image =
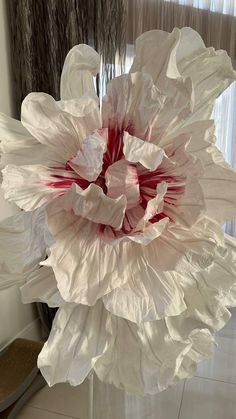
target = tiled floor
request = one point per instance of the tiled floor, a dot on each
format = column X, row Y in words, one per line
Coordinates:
column 210, row 395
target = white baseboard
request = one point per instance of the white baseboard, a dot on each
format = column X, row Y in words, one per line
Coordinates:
column 32, row 332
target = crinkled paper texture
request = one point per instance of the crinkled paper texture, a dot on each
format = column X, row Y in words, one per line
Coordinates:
column 124, row 207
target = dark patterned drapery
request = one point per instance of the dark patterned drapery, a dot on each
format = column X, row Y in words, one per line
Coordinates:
column 43, row 31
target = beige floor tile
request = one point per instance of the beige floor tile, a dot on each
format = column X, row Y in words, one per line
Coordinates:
column 111, row 403
column 63, row 399
column 206, row 399
column 222, row 366
column 33, row 413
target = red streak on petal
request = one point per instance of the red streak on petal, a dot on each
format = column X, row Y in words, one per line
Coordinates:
column 159, row 217
column 114, row 150
column 178, row 190
column 104, row 230
column 126, row 226
column 66, row 182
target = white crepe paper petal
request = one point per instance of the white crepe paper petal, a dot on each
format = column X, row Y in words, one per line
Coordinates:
column 78, row 338
column 88, row 161
column 51, row 122
column 23, row 244
column 17, row 145
column 82, row 63
column 121, row 178
column 138, row 151
column 153, row 298
column 211, row 71
column 151, row 361
column 92, row 338
column 76, row 242
column 29, row 186
column 41, row 286
column 94, row 205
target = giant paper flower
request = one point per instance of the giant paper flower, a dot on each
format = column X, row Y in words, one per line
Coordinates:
column 135, row 196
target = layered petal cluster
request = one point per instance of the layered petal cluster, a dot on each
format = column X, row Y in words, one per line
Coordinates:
column 134, row 195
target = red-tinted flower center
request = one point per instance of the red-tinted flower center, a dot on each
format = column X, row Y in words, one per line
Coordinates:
column 118, row 176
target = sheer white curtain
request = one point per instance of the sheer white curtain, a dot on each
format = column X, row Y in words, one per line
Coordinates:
column 223, row 6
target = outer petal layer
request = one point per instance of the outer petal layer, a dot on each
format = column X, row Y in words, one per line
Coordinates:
column 152, row 294
column 144, row 358
column 17, row 146
column 187, row 249
column 217, row 179
column 207, row 294
column 77, row 242
column 148, row 295
column 23, row 242
column 41, row 286
column 81, row 64
column 219, row 186
column 151, row 361
column 78, row 338
column 164, row 46
column 210, row 71
column 182, row 53
column 62, row 126
column 29, row 186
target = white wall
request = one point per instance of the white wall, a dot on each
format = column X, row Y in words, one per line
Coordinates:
column 15, row 318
